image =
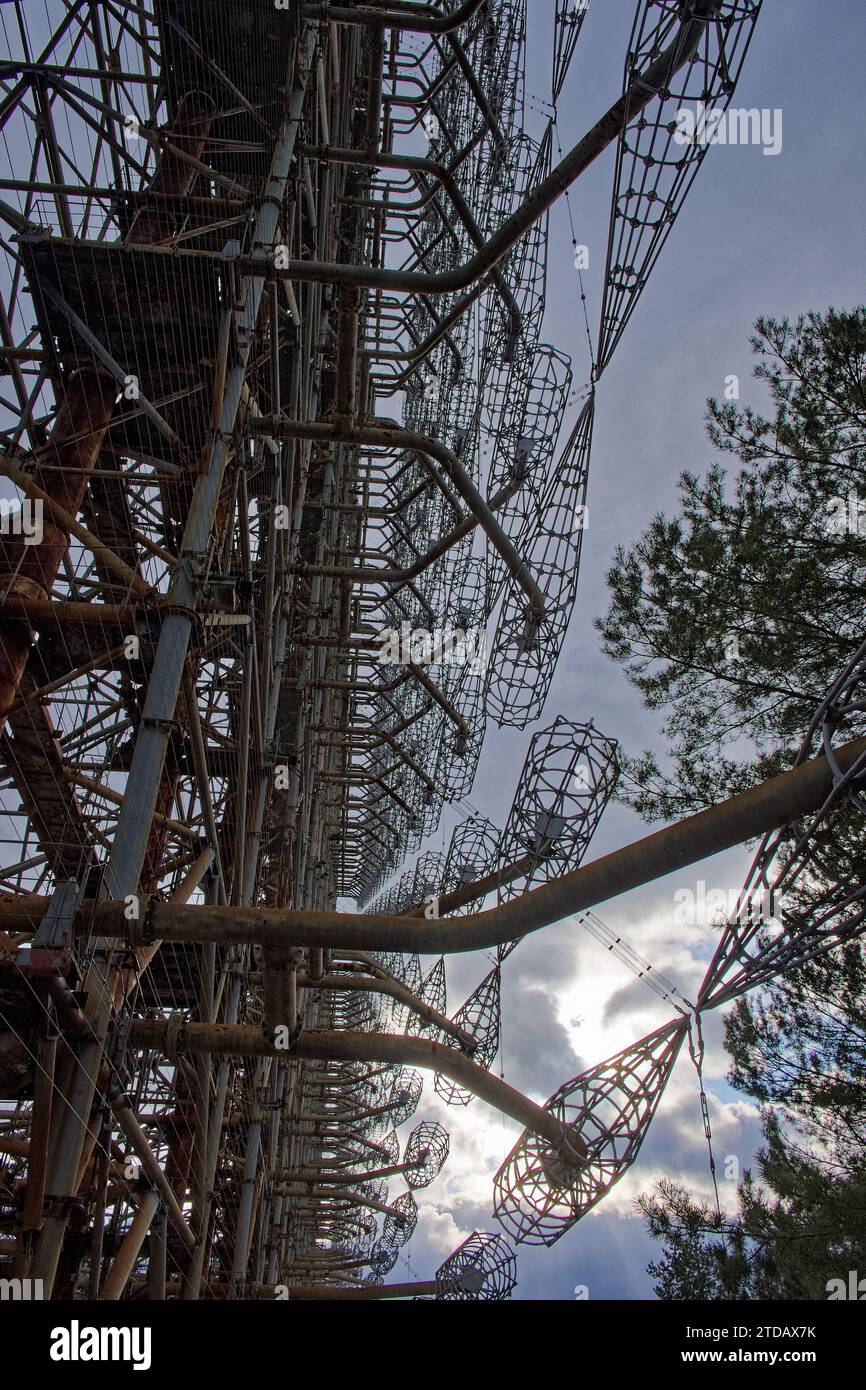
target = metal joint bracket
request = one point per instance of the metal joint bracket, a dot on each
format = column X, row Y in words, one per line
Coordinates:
column 51, row 948
column 118, row 1098
column 61, row 1207
column 173, row 1031
column 139, row 931
column 162, row 726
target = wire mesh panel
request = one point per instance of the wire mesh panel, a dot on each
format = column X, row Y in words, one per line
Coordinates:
column 568, row 777
column 483, row 1267
column 539, row 1194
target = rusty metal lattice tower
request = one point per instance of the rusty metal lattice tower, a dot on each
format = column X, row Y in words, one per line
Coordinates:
column 295, row 523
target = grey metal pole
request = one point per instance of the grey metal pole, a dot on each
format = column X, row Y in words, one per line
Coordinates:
column 156, row 1266
column 136, row 814
column 251, row 1164
column 124, row 1261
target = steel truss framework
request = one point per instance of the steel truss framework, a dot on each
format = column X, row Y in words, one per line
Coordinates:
column 275, row 397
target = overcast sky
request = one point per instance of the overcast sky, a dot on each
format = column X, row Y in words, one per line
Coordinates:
column 758, row 235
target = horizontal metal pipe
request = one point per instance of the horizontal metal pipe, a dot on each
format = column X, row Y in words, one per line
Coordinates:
column 46, row 610
column 639, row 93
column 480, row 887
column 320, row 1044
column 750, row 814
column 425, row 1288
column 418, row 164
column 400, row 577
column 350, row 1199
column 285, row 1181
column 124, row 615
column 395, row 990
column 387, row 435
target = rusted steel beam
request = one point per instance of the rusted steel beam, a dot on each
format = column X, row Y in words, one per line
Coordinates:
column 30, row 570
column 46, row 610
column 321, row 1044
column 771, row 804
column 80, row 428
column 66, row 520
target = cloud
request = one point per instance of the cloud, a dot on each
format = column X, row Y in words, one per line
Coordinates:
column 438, row 1229
column 537, row 1052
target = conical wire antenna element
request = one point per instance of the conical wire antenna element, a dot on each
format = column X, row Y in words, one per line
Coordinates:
column 482, row 1269
column 568, row 776
column 426, row 1152
column 433, row 992
column 376, row 1189
column 569, row 22
column 655, row 169
column 526, row 650
column 480, row 1016
column 428, row 876
column 472, row 854
column 537, row 1196
column 383, row 1258
column 400, row 1223
column 404, row 1096
column 797, row 902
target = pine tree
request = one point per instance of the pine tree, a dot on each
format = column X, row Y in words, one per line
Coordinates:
column 792, row 1234
column 733, row 619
